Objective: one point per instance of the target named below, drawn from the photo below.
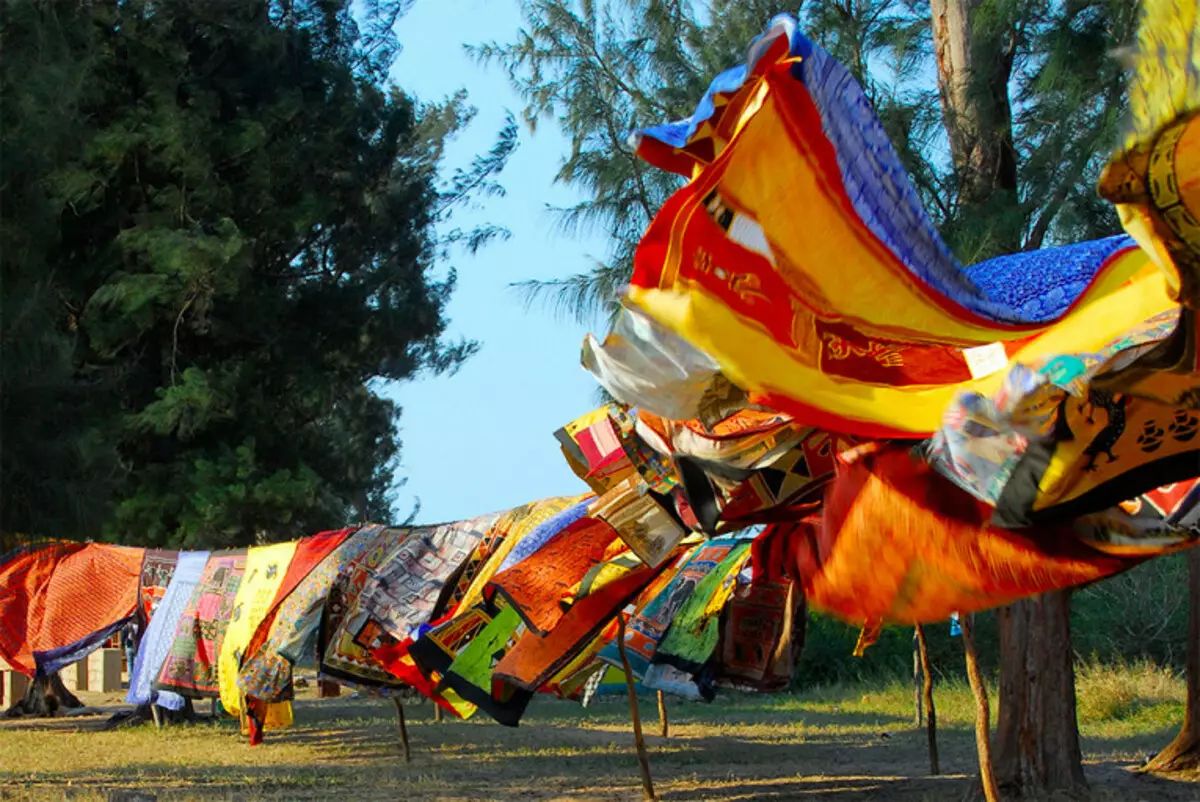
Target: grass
(845, 742)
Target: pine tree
(228, 229)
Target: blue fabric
(538, 537)
(1027, 288)
(160, 633)
(54, 660)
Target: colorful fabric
(190, 668)
(157, 570)
(24, 577)
(535, 659)
(544, 532)
(470, 675)
(266, 567)
(92, 593)
(160, 632)
(695, 630)
(410, 584)
(266, 673)
(897, 543)
(310, 552)
(647, 627)
(762, 635)
(347, 633)
(541, 587)
(880, 352)
(646, 521)
(983, 440)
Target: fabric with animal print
(266, 567)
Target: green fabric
(695, 630)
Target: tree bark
(1037, 735)
(44, 697)
(987, 775)
(930, 712)
(974, 48)
(1183, 753)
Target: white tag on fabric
(984, 360)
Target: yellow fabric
(752, 359)
(265, 570)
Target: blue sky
(483, 439)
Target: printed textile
(643, 519)
(542, 586)
(24, 576)
(266, 672)
(190, 668)
(470, 675)
(881, 350)
(157, 569)
(762, 635)
(897, 543)
(310, 552)
(409, 586)
(160, 632)
(695, 630)
(266, 567)
(347, 633)
(91, 594)
(543, 533)
(535, 658)
(647, 627)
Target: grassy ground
(840, 743)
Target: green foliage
(601, 68)
(219, 231)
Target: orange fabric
(90, 590)
(24, 578)
(899, 544)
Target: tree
(228, 228)
(1027, 102)
(1183, 753)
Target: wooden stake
(930, 712)
(662, 716)
(982, 713)
(918, 718)
(647, 783)
(154, 714)
(403, 729)
(437, 712)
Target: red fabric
(540, 587)
(90, 590)
(897, 543)
(310, 551)
(24, 578)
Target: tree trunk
(974, 48)
(1183, 753)
(44, 697)
(1037, 735)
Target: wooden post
(930, 712)
(437, 712)
(916, 674)
(662, 716)
(157, 716)
(987, 776)
(403, 729)
(647, 783)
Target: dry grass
(841, 743)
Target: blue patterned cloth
(160, 633)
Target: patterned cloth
(24, 576)
(762, 634)
(648, 626)
(160, 632)
(266, 672)
(157, 569)
(266, 567)
(881, 350)
(190, 668)
(92, 593)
